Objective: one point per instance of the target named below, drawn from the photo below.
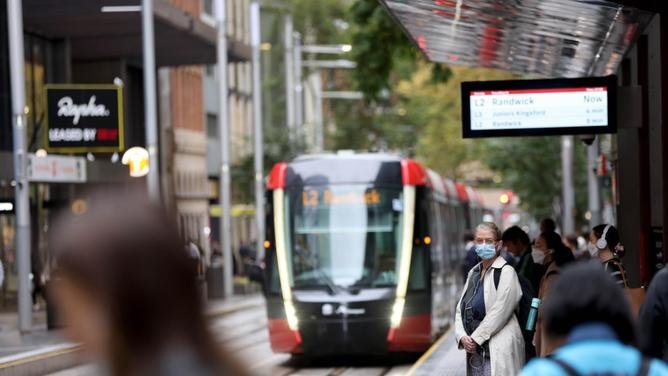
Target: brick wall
(187, 98)
(193, 7)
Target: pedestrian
(604, 244)
(485, 322)
(550, 251)
(548, 225)
(653, 318)
(518, 244)
(128, 293)
(470, 259)
(572, 242)
(594, 319)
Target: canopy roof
(542, 38)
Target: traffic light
(506, 198)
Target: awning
(180, 38)
(542, 38)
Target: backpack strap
(497, 276)
(643, 370)
(570, 371)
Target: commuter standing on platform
(518, 244)
(471, 259)
(550, 251)
(604, 244)
(128, 293)
(485, 322)
(591, 316)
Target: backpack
(643, 369)
(522, 310)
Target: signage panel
(539, 107)
(56, 169)
(84, 118)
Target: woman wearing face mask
(550, 251)
(604, 244)
(485, 323)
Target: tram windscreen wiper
(332, 287)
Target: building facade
(91, 42)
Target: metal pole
(257, 124)
(150, 108)
(17, 73)
(568, 225)
(289, 76)
(224, 137)
(299, 87)
(319, 121)
(592, 186)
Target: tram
(363, 253)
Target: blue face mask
(485, 251)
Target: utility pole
(290, 94)
(299, 86)
(593, 186)
(150, 107)
(568, 199)
(22, 210)
(224, 200)
(257, 124)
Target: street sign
(539, 107)
(56, 169)
(84, 118)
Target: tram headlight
(291, 315)
(397, 312)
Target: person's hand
(469, 344)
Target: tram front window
(344, 236)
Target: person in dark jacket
(472, 258)
(591, 314)
(518, 245)
(653, 318)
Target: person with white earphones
(604, 244)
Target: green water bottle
(533, 312)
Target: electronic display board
(539, 107)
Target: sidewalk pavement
(44, 351)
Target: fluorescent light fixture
(6, 206)
(120, 8)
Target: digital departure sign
(539, 107)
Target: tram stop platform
(442, 358)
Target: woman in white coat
(485, 323)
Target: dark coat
(653, 318)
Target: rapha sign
(84, 118)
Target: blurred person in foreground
(604, 244)
(653, 318)
(518, 245)
(485, 322)
(590, 313)
(550, 251)
(127, 291)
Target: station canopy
(535, 38)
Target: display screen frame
(609, 82)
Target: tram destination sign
(84, 118)
(539, 107)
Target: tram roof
(541, 38)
